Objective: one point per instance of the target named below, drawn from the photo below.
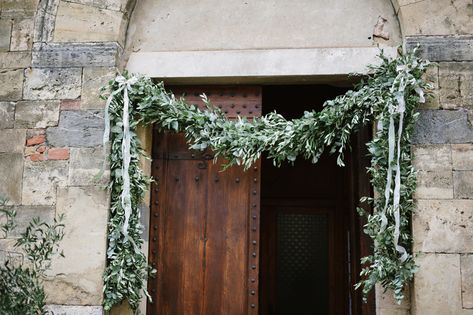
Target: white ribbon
(395, 144)
(123, 85)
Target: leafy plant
(21, 286)
(389, 95)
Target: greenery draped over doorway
(388, 95)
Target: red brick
(58, 154)
(37, 157)
(35, 140)
(70, 104)
(41, 148)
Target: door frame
(360, 244)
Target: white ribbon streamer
(395, 144)
(123, 85)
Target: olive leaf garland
(389, 95)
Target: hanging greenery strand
(388, 95)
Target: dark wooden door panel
(204, 222)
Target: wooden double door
(220, 246)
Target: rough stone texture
(463, 185)
(12, 140)
(442, 126)
(40, 180)
(434, 185)
(432, 157)
(13, 8)
(7, 115)
(462, 157)
(443, 48)
(432, 76)
(22, 35)
(24, 214)
(77, 129)
(93, 79)
(75, 309)
(158, 25)
(52, 83)
(5, 33)
(436, 17)
(456, 85)
(45, 20)
(85, 165)
(15, 60)
(444, 226)
(11, 173)
(117, 5)
(9, 252)
(12, 82)
(437, 285)
(386, 305)
(78, 281)
(466, 267)
(36, 114)
(75, 54)
(81, 23)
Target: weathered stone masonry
(55, 54)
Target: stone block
(81, 23)
(40, 180)
(116, 5)
(9, 252)
(385, 301)
(442, 126)
(436, 17)
(5, 34)
(12, 140)
(444, 226)
(75, 54)
(24, 215)
(75, 309)
(466, 267)
(78, 281)
(93, 79)
(463, 184)
(434, 185)
(22, 35)
(432, 76)
(12, 84)
(52, 83)
(442, 48)
(77, 129)
(456, 85)
(37, 114)
(11, 173)
(432, 157)
(70, 104)
(85, 165)
(15, 60)
(437, 285)
(14, 8)
(45, 20)
(7, 115)
(462, 157)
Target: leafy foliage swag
(388, 95)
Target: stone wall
(54, 55)
(443, 223)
